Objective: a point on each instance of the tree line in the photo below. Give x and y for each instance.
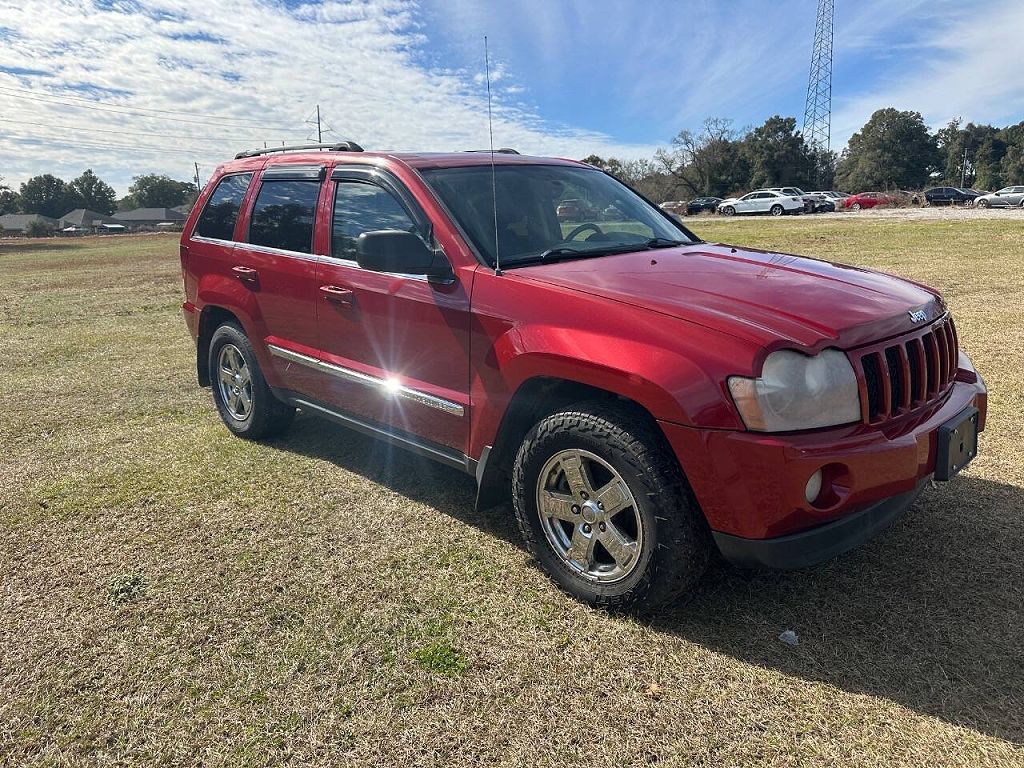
(893, 150)
(49, 195)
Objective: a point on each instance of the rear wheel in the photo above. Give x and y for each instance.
(777, 210)
(729, 211)
(244, 400)
(604, 508)
(983, 203)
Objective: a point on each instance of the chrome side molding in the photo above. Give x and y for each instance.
(385, 387)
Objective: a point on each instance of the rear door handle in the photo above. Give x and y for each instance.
(338, 295)
(246, 274)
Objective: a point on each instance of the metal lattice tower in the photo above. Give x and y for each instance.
(818, 109)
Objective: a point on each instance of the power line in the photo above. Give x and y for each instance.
(93, 102)
(48, 142)
(124, 111)
(77, 128)
(118, 143)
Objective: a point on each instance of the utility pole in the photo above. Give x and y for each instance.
(198, 188)
(319, 135)
(963, 168)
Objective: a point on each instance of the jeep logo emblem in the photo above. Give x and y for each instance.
(917, 315)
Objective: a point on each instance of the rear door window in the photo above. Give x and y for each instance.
(283, 215)
(218, 218)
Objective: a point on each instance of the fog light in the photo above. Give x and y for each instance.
(813, 489)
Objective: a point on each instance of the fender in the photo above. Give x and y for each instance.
(224, 292)
(658, 374)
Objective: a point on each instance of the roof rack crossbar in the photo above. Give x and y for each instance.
(338, 146)
(502, 151)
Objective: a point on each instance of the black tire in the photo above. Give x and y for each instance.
(983, 203)
(777, 210)
(675, 546)
(267, 416)
(729, 211)
(855, 207)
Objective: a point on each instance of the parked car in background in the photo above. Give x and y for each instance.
(573, 210)
(868, 200)
(762, 201)
(702, 204)
(792, 192)
(821, 203)
(948, 196)
(675, 207)
(1007, 197)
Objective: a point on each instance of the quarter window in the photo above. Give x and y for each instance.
(362, 207)
(283, 215)
(218, 218)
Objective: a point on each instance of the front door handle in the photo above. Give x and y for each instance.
(338, 295)
(247, 275)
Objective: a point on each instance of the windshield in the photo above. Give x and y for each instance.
(550, 211)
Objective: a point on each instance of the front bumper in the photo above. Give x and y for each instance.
(751, 486)
(799, 550)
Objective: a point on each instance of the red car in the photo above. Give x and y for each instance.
(867, 200)
(573, 210)
(641, 397)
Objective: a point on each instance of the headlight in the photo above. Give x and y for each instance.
(795, 392)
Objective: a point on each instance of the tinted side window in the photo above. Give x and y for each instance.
(283, 215)
(359, 208)
(221, 212)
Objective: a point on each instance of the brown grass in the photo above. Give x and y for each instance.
(170, 595)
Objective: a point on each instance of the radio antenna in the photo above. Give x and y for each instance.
(494, 178)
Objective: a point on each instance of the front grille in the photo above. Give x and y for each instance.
(904, 374)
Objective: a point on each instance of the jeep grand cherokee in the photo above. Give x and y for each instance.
(640, 396)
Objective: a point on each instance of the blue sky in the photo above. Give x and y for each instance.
(133, 86)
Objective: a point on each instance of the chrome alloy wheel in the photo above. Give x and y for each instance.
(235, 382)
(589, 516)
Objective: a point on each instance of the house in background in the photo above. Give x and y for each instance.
(17, 223)
(82, 220)
(150, 218)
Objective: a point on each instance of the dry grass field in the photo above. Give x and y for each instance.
(170, 595)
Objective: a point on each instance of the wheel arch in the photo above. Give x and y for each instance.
(535, 399)
(211, 318)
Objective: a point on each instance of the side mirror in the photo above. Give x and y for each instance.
(393, 250)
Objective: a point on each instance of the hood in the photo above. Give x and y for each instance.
(770, 299)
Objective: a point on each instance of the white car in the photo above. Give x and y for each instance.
(1006, 197)
(762, 201)
(832, 195)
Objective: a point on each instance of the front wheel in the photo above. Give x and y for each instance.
(855, 207)
(983, 203)
(604, 508)
(246, 405)
(777, 210)
(729, 211)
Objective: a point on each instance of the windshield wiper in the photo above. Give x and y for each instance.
(664, 242)
(565, 251)
(560, 252)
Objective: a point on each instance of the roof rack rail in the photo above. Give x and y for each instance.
(339, 146)
(502, 151)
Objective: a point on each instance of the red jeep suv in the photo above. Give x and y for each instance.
(641, 396)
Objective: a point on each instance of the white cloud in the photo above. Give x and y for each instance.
(262, 66)
(965, 63)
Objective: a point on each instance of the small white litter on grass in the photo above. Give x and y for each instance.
(789, 637)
